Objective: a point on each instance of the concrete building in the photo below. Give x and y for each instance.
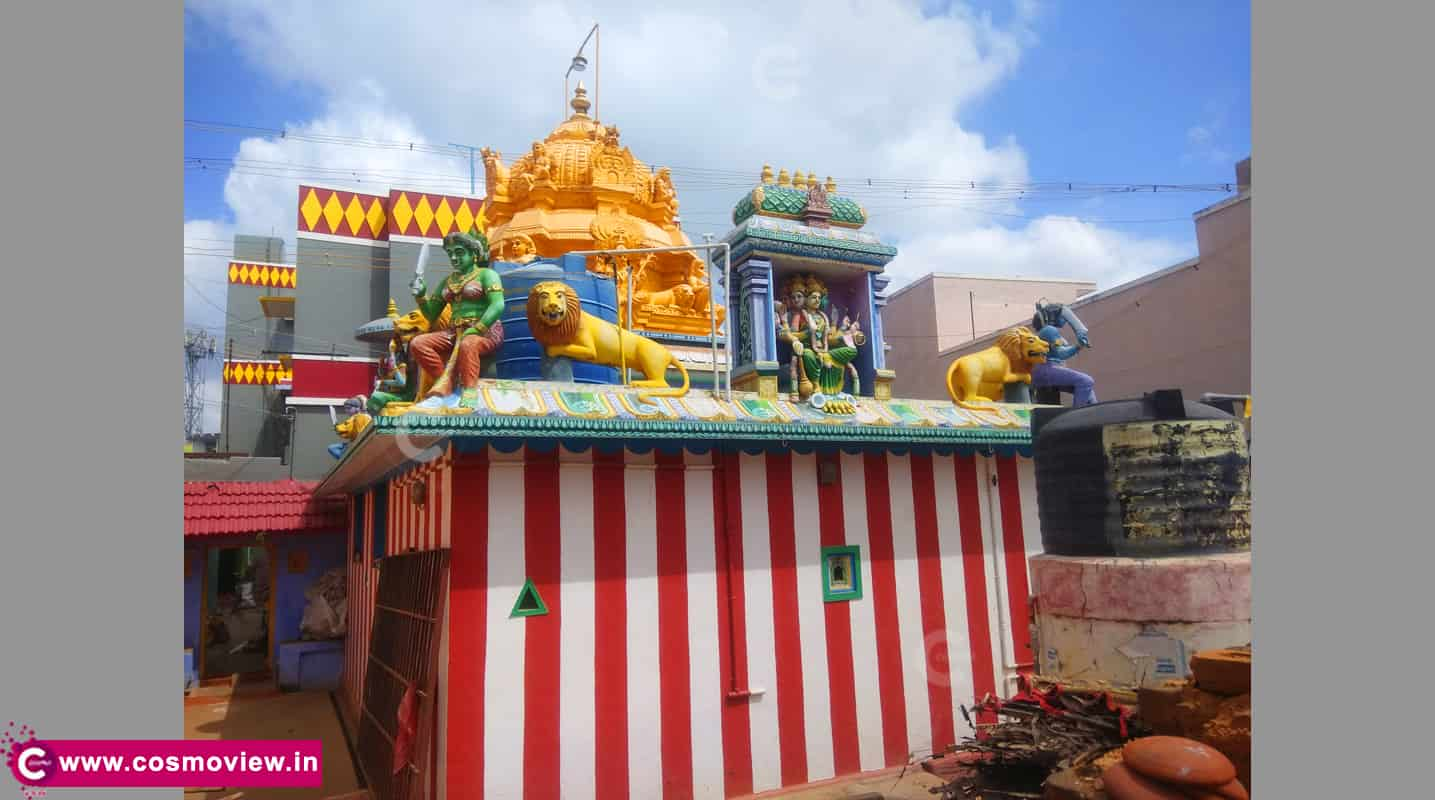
(258, 336)
(1185, 327)
(290, 344)
(940, 311)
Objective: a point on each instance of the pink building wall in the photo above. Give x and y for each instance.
(936, 312)
(1185, 327)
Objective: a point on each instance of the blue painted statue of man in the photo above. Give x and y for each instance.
(1052, 377)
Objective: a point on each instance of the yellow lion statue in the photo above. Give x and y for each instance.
(350, 428)
(979, 379)
(558, 323)
(414, 323)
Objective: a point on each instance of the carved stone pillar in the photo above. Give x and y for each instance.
(873, 366)
(754, 349)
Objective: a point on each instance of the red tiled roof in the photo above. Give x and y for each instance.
(212, 508)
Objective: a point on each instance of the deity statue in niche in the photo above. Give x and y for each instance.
(822, 353)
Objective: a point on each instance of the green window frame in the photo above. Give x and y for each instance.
(841, 573)
(529, 603)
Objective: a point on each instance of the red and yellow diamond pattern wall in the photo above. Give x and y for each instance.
(258, 373)
(273, 276)
(367, 217)
(338, 213)
(431, 216)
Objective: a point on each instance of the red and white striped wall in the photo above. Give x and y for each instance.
(362, 585)
(406, 526)
(687, 652)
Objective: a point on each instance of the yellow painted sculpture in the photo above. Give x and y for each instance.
(581, 189)
(557, 321)
(350, 428)
(517, 249)
(979, 380)
(396, 394)
(414, 323)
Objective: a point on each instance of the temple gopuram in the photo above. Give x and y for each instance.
(581, 189)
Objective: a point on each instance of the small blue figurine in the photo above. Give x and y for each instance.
(1051, 378)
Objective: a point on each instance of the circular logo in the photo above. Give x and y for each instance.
(34, 763)
(415, 442)
(777, 71)
(939, 667)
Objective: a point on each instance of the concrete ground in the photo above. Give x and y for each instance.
(259, 711)
(912, 784)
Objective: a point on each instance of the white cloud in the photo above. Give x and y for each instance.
(840, 87)
(1049, 247)
(1203, 141)
(205, 286)
(205, 244)
(263, 198)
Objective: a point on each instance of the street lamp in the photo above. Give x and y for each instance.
(580, 64)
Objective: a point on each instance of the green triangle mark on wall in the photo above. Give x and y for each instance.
(530, 602)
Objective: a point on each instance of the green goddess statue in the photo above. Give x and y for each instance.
(822, 353)
(450, 357)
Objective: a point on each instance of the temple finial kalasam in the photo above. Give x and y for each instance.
(783, 179)
(580, 102)
(767, 174)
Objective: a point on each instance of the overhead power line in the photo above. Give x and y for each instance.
(258, 336)
(849, 183)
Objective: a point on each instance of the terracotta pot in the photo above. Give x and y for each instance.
(1234, 790)
(1171, 759)
(1121, 783)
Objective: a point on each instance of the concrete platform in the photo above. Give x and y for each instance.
(248, 711)
(1136, 621)
(1214, 588)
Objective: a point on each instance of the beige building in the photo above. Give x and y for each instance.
(1185, 327)
(942, 311)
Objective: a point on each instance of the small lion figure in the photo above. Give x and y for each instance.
(979, 379)
(558, 322)
(350, 428)
(680, 296)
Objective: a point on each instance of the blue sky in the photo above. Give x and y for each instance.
(991, 90)
(1113, 89)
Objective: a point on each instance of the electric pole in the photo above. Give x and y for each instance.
(472, 171)
(228, 359)
(198, 348)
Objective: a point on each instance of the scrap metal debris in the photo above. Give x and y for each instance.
(1038, 732)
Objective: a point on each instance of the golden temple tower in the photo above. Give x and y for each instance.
(581, 189)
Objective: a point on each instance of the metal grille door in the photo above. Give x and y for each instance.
(399, 681)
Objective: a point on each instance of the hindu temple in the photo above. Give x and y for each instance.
(629, 515)
(651, 584)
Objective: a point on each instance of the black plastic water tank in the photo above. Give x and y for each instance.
(1156, 476)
